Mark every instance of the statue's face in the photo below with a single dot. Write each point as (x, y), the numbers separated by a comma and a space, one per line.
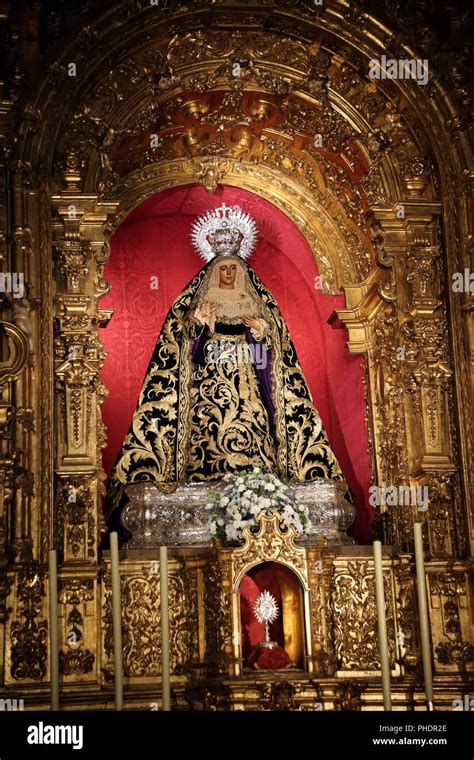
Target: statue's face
(227, 273)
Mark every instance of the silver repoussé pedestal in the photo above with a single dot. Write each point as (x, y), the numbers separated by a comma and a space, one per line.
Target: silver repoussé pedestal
(181, 519)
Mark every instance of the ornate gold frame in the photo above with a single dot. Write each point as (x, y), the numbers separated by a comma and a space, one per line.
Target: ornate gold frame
(73, 175)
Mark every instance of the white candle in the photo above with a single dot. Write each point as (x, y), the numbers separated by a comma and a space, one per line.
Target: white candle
(165, 636)
(116, 620)
(53, 628)
(382, 626)
(423, 612)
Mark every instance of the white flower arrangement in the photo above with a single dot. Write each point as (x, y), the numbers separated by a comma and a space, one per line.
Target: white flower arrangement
(244, 496)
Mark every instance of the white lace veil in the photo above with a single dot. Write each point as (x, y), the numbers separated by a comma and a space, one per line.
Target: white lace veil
(235, 302)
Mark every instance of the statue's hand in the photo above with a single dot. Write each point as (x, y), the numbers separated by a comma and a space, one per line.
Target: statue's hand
(206, 314)
(257, 326)
(253, 322)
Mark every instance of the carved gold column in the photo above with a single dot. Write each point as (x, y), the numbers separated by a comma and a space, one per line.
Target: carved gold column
(22, 594)
(398, 317)
(371, 318)
(428, 382)
(80, 253)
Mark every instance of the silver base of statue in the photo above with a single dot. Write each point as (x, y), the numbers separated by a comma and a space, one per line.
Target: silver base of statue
(330, 513)
(180, 519)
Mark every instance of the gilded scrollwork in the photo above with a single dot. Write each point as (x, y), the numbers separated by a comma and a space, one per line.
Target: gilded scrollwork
(390, 415)
(406, 618)
(28, 631)
(75, 519)
(355, 617)
(422, 263)
(141, 622)
(5, 588)
(449, 599)
(76, 659)
(320, 573)
(217, 615)
(269, 543)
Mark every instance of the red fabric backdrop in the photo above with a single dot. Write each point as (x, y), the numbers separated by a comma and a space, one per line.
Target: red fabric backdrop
(152, 247)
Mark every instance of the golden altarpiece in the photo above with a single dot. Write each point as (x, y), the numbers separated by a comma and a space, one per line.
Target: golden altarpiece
(72, 172)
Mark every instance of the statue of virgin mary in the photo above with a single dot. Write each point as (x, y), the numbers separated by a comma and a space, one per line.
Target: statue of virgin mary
(223, 391)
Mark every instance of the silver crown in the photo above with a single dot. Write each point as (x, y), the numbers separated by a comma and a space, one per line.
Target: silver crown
(225, 231)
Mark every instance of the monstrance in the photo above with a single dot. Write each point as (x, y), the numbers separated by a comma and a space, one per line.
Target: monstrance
(266, 611)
